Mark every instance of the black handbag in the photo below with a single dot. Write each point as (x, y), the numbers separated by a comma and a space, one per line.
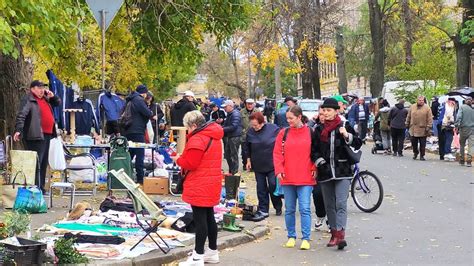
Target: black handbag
(353, 156)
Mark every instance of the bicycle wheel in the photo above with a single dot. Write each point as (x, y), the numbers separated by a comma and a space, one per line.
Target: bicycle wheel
(367, 191)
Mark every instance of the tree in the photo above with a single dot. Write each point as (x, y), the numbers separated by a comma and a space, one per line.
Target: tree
(341, 60)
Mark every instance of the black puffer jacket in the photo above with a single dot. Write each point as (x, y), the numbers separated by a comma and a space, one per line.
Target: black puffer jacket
(233, 124)
(331, 157)
(28, 119)
(179, 110)
(141, 114)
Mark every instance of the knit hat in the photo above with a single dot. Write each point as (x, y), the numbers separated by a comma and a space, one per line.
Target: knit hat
(339, 98)
(330, 103)
(142, 89)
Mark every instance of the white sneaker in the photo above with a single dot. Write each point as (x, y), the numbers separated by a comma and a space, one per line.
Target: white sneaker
(449, 157)
(193, 260)
(319, 223)
(211, 256)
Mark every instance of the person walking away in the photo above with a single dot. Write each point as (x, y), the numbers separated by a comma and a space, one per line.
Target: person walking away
(245, 114)
(334, 171)
(217, 115)
(182, 107)
(435, 106)
(446, 121)
(383, 116)
(36, 127)
(419, 121)
(135, 132)
(280, 114)
(359, 115)
(268, 110)
(232, 134)
(295, 171)
(396, 120)
(258, 148)
(201, 161)
(465, 127)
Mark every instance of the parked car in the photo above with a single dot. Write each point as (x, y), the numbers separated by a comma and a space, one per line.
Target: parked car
(310, 106)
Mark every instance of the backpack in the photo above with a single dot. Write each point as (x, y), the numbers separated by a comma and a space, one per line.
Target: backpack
(125, 120)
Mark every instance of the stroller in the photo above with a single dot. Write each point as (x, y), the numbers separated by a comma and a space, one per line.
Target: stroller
(377, 137)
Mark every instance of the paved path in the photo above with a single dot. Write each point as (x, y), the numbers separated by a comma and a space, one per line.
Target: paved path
(426, 218)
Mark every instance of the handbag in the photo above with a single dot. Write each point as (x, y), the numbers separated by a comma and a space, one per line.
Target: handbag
(30, 199)
(9, 191)
(353, 156)
(24, 161)
(180, 182)
(56, 158)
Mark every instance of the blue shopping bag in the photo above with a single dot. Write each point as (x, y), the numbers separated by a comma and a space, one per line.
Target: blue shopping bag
(30, 199)
(278, 191)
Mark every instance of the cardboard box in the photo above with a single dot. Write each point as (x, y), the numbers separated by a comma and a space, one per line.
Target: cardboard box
(156, 185)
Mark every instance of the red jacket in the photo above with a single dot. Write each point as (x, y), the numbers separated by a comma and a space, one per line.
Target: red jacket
(203, 183)
(296, 164)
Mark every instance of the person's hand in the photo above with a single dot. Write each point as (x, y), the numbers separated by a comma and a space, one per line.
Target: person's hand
(48, 93)
(175, 158)
(280, 177)
(155, 117)
(162, 126)
(248, 166)
(16, 137)
(219, 121)
(343, 132)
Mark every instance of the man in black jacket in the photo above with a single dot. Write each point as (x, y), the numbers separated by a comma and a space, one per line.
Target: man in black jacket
(232, 133)
(181, 108)
(396, 121)
(36, 126)
(141, 114)
(217, 115)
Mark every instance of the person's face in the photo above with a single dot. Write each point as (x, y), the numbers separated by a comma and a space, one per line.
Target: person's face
(290, 103)
(322, 115)
(293, 121)
(38, 91)
(228, 108)
(342, 107)
(249, 106)
(329, 113)
(420, 101)
(215, 108)
(255, 125)
(361, 101)
(469, 101)
(190, 98)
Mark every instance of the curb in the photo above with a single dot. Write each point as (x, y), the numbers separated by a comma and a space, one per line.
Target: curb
(233, 240)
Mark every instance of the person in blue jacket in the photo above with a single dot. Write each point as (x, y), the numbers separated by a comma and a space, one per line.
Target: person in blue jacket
(232, 133)
(280, 114)
(110, 107)
(141, 114)
(359, 115)
(85, 120)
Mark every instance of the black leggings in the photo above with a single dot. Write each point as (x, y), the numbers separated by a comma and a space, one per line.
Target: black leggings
(318, 201)
(206, 227)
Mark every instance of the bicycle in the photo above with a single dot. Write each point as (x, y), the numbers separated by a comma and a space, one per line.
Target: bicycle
(365, 188)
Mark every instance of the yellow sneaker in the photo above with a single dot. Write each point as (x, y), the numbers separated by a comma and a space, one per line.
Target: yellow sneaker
(305, 245)
(290, 243)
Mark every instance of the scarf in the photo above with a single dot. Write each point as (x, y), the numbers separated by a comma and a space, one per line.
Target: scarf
(329, 125)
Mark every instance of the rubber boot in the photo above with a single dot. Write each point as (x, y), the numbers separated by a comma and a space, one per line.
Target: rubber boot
(340, 241)
(229, 223)
(332, 242)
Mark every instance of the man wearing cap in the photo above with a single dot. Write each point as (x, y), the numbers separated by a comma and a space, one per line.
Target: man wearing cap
(186, 104)
(465, 127)
(232, 133)
(280, 115)
(35, 125)
(245, 114)
(217, 114)
(141, 114)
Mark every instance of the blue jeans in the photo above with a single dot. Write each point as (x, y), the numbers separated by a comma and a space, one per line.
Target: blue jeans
(139, 155)
(266, 184)
(303, 195)
(448, 140)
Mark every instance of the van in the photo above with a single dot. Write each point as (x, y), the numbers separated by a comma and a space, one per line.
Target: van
(391, 86)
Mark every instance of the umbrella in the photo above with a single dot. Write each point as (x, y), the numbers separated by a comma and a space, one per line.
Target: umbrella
(462, 91)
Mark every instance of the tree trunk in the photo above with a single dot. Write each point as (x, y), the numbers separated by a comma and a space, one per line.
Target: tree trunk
(378, 60)
(463, 51)
(409, 39)
(315, 79)
(278, 93)
(15, 76)
(341, 61)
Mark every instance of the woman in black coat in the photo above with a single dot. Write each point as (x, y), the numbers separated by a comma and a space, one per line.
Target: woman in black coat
(329, 144)
(258, 148)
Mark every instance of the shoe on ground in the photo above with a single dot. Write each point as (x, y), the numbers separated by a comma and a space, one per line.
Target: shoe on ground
(278, 212)
(194, 260)
(259, 216)
(394, 154)
(400, 155)
(319, 223)
(290, 243)
(469, 164)
(415, 156)
(461, 163)
(305, 245)
(211, 256)
(422, 158)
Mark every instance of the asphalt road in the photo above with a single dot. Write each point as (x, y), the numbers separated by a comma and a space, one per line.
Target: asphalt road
(426, 218)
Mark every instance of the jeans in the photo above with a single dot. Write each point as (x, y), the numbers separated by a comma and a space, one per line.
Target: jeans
(242, 155)
(362, 125)
(435, 127)
(398, 137)
(466, 134)
(231, 153)
(318, 201)
(448, 140)
(139, 155)
(335, 195)
(266, 184)
(414, 144)
(386, 139)
(303, 195)
(41, 147)
(206, 228)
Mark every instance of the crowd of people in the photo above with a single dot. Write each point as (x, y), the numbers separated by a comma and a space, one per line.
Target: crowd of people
(307, 157)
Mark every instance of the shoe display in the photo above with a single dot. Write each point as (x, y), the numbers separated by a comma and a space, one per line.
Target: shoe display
(290, 243)
(305, 245)
(211, 256)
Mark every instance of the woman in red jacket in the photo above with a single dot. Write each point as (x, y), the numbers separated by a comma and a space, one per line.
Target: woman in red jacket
(295, 170)
(202, 162)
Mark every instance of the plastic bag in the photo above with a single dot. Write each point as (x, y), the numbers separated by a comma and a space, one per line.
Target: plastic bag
(56, 158)
(86, 175)
(278, 191)
(30, 199)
